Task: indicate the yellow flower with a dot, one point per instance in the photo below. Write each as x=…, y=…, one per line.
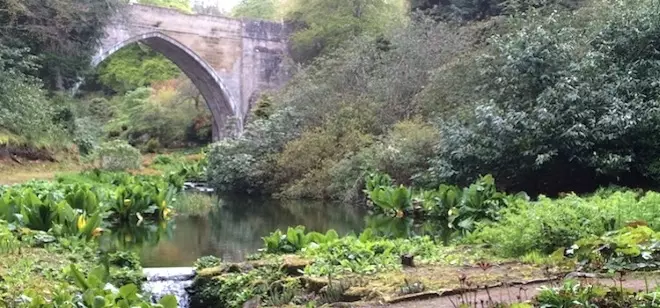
x=81, y=222
x=166, y=213
x=127, y=202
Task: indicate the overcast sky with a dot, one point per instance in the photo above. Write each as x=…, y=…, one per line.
x=227, y=4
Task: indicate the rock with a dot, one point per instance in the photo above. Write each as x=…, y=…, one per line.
x=253, y=303
x=354, y=294
x=407, y=260
x=293, y=265
x=212, y=271
x=313, y=284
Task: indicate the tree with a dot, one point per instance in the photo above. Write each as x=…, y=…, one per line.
x=136, y=66
x=63, y=33
x=566, y=103
x=24, y=110
x=257, y=9
x=325, y=25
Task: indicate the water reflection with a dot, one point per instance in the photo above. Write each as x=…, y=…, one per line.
x=234, y=230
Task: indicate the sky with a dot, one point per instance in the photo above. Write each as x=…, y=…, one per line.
x=225, y=4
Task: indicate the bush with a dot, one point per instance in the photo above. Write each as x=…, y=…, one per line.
x=407, y=149
x=24, y=110
x=152, y=146
x=206, y=262
x=304, y=166
x=118, y=155
x=86, y=135
x=548, y=224
x=245, y=164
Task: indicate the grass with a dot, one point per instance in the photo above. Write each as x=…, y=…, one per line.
x=36, y=269
x=14, y=173
x=194, y=204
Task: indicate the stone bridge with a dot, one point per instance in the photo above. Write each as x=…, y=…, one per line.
x=230, y=61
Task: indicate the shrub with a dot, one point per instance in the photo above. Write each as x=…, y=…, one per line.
x=86, y=135
x=407, y=149
x=206, y=262
x=152, y=146
x=118, y=155
x=404, y=152
x=24, y=110
x=163, y=160
x=547, y=224
x=303, y=168
x=245, y=164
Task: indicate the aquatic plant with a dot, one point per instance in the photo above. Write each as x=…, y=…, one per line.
x=296, y=239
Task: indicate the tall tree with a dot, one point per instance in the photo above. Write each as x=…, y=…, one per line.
x=63, y=33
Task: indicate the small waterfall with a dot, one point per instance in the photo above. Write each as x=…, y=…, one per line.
x=169, y=280
x=198, y=186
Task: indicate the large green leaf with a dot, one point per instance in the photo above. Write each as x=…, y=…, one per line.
x=169, y=301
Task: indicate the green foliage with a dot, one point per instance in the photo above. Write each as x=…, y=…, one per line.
x=448, y=210
x=629, y=249
x=163, y=160
x=194, y=204
x=304, y=166
x=206, y=262
x=328, y=24
x=63, y=34
x=575, y=294
x=256, y=9
x=181, y=5
x=379, y=80
x=231, y=290
x=245, y=164
x=564, y=104
x=168, y=115
x=397, y=199
x=296, y=239
x=8, y=241
x=135, y=66
x=367, y=254
x=24, y=110
x=95, y=293
x=77, y=209
x=118, y=155
x=546, y=225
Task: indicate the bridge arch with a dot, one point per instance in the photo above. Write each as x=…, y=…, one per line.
x=203, y=76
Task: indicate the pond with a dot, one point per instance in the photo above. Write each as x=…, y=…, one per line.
x=233, y=230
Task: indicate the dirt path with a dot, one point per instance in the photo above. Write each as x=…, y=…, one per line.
x=506, y=294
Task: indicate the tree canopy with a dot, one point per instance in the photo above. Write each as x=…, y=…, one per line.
x=62, y=32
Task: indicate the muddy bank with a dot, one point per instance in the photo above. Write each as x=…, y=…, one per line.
x=22, y=153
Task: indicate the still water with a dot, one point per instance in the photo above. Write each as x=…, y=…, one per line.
x=233, y=230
